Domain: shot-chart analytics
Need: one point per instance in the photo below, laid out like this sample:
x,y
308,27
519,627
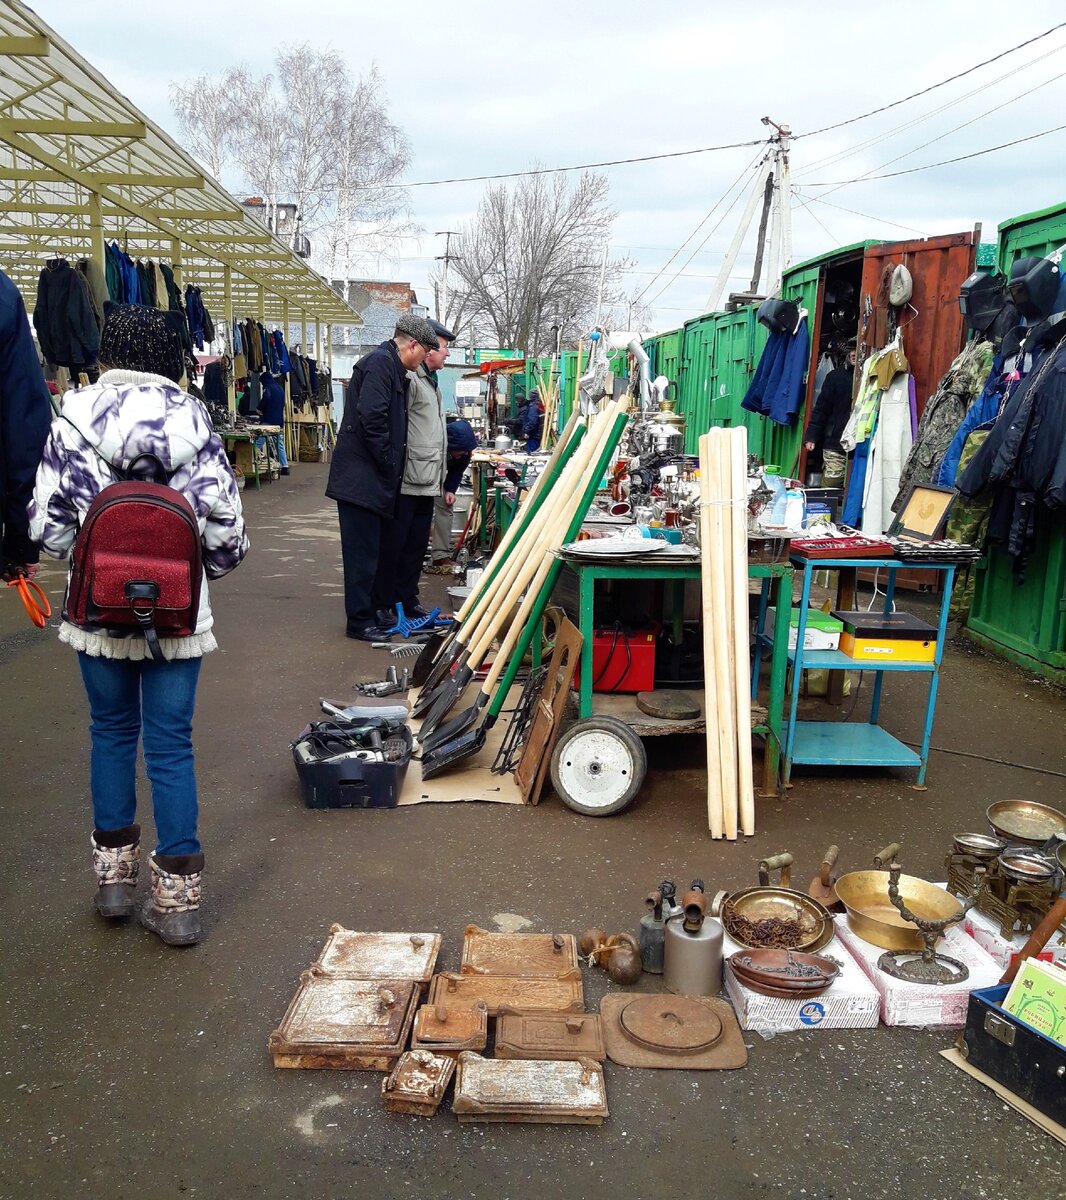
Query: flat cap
x,y
441,331
419,329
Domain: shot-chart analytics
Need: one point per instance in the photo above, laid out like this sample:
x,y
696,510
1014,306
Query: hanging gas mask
x,y
1034,286
779,316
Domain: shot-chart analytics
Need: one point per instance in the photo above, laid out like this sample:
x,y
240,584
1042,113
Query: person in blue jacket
x,y
533,424
25,418
272,412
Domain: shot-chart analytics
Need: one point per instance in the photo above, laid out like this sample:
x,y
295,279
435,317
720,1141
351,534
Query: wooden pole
x,y
721,599
738,439
715,815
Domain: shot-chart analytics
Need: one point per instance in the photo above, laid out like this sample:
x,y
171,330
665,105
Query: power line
x,y
614,162
814,216
866,216
618,162
850,151
933,87
710,213
955,129
943,162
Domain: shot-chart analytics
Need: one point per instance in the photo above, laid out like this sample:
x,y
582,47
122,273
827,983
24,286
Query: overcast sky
x,y
492,87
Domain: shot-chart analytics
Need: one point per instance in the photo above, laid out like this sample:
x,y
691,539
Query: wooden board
x,y
548,718
561,1093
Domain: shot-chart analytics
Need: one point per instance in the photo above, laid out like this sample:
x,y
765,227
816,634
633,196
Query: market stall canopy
x,y
79,165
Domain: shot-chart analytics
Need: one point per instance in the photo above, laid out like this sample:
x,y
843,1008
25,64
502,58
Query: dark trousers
x,y
403,547
360,548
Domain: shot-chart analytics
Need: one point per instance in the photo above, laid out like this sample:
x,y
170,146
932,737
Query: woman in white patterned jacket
x,y
137,407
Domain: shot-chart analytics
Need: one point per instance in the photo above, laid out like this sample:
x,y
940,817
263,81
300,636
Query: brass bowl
x,y
876,919
1025,821
1025,867
760,903
979,845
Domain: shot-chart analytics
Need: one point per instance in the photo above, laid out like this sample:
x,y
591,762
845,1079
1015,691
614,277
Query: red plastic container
x,y
623,660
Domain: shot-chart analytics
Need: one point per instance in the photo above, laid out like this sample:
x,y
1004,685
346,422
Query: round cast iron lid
x,y
675,1024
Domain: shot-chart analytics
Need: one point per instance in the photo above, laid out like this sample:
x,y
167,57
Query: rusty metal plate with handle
x,y
493,1089
356,1023
549,1035
505,991
450,1030
529,955
417,1083
353,954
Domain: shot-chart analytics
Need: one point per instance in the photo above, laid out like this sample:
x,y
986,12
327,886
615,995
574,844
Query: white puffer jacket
x,y
107,425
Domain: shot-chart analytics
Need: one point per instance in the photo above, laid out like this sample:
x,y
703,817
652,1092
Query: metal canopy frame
x,y
80,165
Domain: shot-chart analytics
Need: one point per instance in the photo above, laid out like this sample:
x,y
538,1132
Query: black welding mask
x,y
779,316
1034,286
987,306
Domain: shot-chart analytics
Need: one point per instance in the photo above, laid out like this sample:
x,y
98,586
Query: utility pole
x,y
781,216
447,258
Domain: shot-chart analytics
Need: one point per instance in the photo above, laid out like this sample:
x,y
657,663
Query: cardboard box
x,y
919,1004
822,632
875,650
985,932
851,1003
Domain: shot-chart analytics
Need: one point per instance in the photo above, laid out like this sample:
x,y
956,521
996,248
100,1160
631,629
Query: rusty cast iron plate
x,y
417,1083
529,955
687,1033
549,1035
352,954
451,1030
505,991
350,1024
496,1089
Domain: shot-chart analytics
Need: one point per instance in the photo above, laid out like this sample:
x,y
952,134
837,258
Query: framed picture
x,y
923,514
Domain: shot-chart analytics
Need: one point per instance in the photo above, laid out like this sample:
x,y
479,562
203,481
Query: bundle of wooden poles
x,y
507,606
724,562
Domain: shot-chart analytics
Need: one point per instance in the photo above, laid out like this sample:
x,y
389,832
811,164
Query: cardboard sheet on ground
x,y
1008,1097
469,780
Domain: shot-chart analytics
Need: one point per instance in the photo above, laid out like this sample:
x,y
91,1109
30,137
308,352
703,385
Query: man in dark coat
x,y
828,419
368,461
25,418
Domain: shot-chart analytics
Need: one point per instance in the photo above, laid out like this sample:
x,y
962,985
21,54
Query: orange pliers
x,y
33,599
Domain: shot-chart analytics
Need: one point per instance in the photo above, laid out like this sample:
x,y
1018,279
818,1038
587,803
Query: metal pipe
x,y
636,348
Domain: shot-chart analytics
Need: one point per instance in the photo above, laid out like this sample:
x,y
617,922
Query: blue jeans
x,y
129,699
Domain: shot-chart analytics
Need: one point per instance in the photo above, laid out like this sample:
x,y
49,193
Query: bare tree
x,y
207,109
312,135
531,260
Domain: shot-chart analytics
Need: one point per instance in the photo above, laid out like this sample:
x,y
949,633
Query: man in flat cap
x,y
368,462
403,550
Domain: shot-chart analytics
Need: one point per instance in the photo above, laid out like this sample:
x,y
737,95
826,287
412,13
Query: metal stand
x,y
929,967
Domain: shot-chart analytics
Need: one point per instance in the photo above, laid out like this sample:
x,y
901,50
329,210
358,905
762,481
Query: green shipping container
x,y
1026,622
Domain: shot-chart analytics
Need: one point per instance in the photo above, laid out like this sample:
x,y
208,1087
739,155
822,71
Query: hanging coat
x,y
889,447
63,317
777,390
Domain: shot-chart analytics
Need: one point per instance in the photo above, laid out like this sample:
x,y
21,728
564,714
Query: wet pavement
x,y
131,1070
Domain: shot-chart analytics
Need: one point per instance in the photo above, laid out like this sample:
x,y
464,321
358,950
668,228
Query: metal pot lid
x,y
980,845
677,1024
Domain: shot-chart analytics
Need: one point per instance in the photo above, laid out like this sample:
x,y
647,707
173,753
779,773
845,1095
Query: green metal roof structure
x,y
80,165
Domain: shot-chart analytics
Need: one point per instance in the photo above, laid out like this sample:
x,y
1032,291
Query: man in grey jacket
x,y
404,545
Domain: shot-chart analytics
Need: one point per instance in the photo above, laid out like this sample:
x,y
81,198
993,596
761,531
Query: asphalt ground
x,y
131,1070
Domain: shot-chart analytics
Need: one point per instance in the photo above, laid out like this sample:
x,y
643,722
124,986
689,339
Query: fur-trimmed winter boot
x,y
117,863
173,909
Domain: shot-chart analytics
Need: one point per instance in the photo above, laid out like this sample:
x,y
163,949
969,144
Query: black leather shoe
x,y
372,633
386,617
415,612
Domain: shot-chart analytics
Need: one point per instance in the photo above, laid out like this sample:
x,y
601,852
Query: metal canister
x,y
693,948
662,907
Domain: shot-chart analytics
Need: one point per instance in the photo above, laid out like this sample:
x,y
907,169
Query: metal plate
x,y
528,955
1025,821
351,954
549,1035
417,1083
356,1023
979,845
760,903
494,1089
505,991
726,1053
676,1024
450,1030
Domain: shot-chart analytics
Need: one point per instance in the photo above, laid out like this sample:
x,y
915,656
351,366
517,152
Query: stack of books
x,y
1037,998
